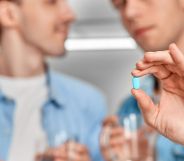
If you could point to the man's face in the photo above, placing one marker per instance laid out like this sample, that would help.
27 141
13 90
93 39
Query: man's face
154 24
44 24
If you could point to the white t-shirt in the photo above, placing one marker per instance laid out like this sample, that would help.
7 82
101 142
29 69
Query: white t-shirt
29 95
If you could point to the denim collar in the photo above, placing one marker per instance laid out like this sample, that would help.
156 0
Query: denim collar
2 96
55 94
54 88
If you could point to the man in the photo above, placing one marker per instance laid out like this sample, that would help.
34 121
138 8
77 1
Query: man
39 106
154 25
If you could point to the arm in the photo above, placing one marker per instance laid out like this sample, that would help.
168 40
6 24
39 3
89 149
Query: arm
68 151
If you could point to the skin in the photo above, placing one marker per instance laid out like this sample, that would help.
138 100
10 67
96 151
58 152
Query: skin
32 30
167 116
114 133
154 25
149 22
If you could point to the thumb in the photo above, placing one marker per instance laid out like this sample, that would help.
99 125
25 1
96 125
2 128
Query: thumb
110 121
146 105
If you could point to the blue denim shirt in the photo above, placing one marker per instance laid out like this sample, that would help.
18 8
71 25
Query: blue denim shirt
74 110
164 147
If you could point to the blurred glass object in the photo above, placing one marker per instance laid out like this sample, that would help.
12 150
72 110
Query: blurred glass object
65 136
139 144
178 153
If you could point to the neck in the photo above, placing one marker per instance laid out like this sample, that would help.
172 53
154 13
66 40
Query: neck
18 59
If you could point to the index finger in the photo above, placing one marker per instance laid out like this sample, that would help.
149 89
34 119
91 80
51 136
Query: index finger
116 3
162 57
111 121
79 148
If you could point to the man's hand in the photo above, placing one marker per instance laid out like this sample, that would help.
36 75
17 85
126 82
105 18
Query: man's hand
111 139
69 151
115 145
168 116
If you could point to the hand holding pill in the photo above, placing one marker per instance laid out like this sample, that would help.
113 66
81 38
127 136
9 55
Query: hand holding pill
168 115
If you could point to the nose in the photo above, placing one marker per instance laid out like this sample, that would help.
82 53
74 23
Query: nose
66 12
132 9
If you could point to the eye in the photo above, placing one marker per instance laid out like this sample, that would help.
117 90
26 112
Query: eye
120 3
52 1
124 2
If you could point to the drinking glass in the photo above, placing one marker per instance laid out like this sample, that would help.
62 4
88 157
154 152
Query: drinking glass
178 152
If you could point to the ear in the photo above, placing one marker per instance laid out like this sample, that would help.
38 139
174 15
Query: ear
9 14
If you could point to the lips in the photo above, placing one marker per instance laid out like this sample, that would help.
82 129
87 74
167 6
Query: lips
62 29
140 31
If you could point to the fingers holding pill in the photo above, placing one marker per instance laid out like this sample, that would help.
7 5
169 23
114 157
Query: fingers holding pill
172 57
160 56
159 71
168 67
141 65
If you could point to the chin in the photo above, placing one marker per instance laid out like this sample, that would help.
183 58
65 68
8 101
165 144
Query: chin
57 54
150 46
56 51
155 47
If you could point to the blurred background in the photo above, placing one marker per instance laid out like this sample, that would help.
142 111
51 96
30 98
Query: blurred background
107 63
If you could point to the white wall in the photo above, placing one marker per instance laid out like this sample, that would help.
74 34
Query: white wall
93 9
108 70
